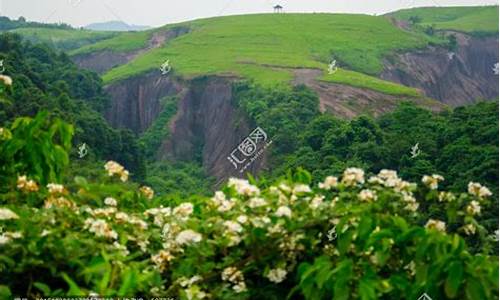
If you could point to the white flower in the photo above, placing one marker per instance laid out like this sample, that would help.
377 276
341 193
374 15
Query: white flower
184 210
110 201
242 219
329 183
367 195
232 274
352 176
301 188
469 229
121 217
147 192
218 198
226 205
276 275
115 168
6 79
412 206
55 188
411 202
4 239
474 208
284 211
432 181
436 224
100 228
7 214
161 259
45 232
188 237
189 282
240 287
284 187
316 201
26 185
243 187
233 227
256 202
476 189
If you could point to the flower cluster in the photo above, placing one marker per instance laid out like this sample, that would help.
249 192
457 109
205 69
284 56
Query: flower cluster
147 192
114 168
432 181
476 189
25 185
276 275
100 228
7 214
353 176
234 276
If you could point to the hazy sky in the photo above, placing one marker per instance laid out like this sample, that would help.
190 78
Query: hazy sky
160 12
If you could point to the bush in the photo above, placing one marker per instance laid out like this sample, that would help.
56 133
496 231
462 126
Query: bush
347 238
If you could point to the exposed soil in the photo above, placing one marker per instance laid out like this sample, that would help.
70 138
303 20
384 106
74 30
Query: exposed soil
458 77
348 101
105 60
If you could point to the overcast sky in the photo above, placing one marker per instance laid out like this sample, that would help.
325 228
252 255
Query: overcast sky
160 12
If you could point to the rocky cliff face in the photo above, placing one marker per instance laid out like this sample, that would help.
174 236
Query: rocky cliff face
136 102
458 77
207 126
104 60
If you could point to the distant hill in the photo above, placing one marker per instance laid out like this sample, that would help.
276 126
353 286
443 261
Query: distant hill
115 26
478 19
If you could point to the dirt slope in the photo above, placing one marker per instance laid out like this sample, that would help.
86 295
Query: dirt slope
102 61
459 77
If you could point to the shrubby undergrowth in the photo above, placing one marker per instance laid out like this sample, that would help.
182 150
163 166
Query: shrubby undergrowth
78 236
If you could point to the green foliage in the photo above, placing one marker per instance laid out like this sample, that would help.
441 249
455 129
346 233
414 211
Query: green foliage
43 156
159 130
269 243
48 81
471 19
63 39
183 178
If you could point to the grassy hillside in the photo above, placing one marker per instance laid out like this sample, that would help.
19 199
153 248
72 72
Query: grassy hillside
65 39
466 19
265 47
123 41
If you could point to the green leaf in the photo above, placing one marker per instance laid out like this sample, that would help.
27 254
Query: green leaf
474 290
43 287
5 292
455 275
366 289
74 289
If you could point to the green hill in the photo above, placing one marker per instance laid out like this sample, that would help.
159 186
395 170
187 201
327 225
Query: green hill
65 39
461 18
267 47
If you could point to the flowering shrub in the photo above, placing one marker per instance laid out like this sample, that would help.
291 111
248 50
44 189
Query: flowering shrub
394 239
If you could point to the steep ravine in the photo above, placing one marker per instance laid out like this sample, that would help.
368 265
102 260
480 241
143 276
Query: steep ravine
458 77
208 126
136 102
